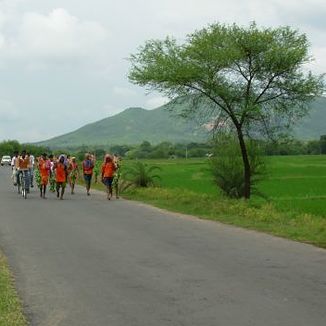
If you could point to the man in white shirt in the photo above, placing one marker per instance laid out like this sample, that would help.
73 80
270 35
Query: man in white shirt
31 168
14 165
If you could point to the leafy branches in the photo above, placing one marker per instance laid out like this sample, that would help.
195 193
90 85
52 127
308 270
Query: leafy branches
252 77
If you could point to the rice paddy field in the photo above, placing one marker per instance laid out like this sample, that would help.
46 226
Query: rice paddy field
292 183
297 183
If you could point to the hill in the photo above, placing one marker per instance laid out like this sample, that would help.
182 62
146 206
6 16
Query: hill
134 125
314 124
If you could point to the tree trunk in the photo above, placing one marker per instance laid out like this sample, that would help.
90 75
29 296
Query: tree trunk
246 164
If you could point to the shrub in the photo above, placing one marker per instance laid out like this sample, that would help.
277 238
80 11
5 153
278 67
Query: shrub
227 165
141 175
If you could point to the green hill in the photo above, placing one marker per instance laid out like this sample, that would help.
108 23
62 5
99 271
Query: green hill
134 125
314 124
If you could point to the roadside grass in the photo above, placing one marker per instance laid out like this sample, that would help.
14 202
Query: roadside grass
294 185
263 217
10 306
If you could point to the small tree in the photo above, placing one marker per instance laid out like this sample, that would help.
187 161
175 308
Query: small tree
227 167
247 78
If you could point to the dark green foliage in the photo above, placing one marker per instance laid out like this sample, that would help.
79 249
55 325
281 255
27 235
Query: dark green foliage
227 165
8 147
290 146
141 175
169 150
119 150
323 144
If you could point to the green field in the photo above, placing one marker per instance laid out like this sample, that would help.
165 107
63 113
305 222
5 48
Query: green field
295 183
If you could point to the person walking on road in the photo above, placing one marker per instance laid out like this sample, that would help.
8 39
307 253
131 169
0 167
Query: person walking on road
73 174
52 174
44 171
108 169
88 166
61 176
31 168
14 167
117 175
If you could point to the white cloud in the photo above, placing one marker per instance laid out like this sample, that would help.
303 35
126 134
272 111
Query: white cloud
319 63
8 112
55 37
156 102
124 91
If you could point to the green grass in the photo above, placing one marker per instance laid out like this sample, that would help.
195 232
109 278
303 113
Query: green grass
264 217
294 185
297 184
10 306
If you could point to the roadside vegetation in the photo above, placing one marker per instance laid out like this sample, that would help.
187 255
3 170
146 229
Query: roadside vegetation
10 306
292 205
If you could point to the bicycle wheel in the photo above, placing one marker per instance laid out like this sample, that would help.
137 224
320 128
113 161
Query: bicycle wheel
22 185
19 184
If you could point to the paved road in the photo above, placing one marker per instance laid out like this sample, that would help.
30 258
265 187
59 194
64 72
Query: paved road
87 261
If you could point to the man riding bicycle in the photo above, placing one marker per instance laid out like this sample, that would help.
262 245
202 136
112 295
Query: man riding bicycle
23 168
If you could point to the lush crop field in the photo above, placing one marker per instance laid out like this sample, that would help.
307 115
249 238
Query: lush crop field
295 183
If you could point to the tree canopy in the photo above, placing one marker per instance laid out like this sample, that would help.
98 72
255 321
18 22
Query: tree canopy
251 79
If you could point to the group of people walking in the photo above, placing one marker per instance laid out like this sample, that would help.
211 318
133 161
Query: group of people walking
56 172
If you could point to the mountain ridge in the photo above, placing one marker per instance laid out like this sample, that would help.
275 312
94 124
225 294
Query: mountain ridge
135 124
130 127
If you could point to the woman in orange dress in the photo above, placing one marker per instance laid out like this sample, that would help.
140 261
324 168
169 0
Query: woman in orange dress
44 168
61 176
108 169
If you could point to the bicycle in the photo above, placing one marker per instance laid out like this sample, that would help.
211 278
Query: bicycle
23 183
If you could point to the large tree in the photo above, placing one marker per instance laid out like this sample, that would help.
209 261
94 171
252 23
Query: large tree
254 78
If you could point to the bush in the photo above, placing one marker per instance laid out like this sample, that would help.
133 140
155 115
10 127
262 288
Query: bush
227 165
141 175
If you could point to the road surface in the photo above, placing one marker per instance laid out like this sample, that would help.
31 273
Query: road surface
88 261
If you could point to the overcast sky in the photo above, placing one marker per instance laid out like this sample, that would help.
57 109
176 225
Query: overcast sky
63 62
